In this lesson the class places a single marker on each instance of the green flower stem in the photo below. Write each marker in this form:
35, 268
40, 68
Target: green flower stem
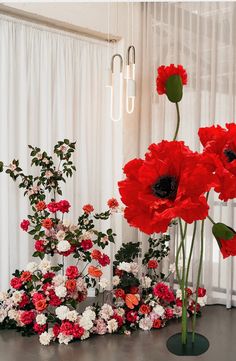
191, 252
178, 122
198, 281
212, 221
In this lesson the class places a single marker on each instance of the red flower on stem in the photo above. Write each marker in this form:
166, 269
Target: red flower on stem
227, 248
88, 208
169, 183
112, 203
165, 72
152, 264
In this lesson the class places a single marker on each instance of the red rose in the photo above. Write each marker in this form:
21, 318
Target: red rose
72, 272
27, 317
64, 206
191, 307
112, 203
88, 208
39, 328
53, 207
71, 285
86, 244
152, 264
16, 283
40, 305
24, 301
220, 145
67, 253
48, 275
132, 316
157, 323
26, 276
144, 309
162, 291
96, 254
104, 260
228, 248
78, 331
201, 292
170, 183
46, 286
39, 245
47, 223
66, 328
56, 329
119, 293
37, 297
40, 206
25, 225
164, 72
54, 301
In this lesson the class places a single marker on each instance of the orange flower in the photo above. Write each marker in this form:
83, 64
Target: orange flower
71, 285
47, 223
25, 276
131, 300
40, 305
144, 309
96, 254
94, 271
40, 206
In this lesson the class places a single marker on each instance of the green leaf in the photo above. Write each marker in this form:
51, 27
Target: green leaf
174, 88
223, 232
1, 167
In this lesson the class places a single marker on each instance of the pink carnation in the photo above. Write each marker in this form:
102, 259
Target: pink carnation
100, 327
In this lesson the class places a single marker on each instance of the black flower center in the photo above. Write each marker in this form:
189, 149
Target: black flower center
165, 187
230, 154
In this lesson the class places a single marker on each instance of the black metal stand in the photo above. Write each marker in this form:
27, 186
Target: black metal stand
175, 346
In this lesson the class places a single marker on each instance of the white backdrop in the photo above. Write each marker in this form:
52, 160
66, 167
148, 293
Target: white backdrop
201, 37
52, 87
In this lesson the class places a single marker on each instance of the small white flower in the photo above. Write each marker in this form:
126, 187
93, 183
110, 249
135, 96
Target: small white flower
146, 282
39, 156
112, 325
145, 323
127, 333
90, 314
3, 296
61, 291
48, 174
72, 316
58, 280
63, 246
13, 314
64, 339
45, 266
67, 223
106, 312
124, 266
202, 301
159, 310
85, 335
45, 338
62, 312
87, 235
134, 268
3, 314
12, 167
179, 294
115, 280
60, 235
45, 161
86, 323
16, 297
31, 267
103, 283
41, 319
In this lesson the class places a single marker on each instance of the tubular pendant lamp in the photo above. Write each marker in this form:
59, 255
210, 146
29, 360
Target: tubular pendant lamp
116, 86
130, 80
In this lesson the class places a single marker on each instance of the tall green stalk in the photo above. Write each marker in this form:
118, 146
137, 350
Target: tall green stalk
178, 121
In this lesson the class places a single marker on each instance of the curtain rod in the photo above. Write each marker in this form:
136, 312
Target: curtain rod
56, 24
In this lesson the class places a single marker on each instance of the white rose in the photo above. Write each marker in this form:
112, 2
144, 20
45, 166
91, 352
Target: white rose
103, 283
58, 280
45, 338
145, 323
63, 246
31, 267
159, 310
146, 282
3, 296
62, 312
72, 316
60, 235
45, 266
61, 291
41, 319
112, 325
115, 280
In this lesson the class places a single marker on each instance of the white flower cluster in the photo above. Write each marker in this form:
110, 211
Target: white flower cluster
130, 267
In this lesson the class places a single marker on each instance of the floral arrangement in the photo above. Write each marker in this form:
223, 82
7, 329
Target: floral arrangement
172, 183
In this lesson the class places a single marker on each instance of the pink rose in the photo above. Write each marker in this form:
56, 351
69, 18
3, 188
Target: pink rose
25, 225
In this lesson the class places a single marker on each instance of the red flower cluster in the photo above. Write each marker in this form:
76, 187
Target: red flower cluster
62, 206
162, 291
88, 208
220, 145
169, 183
164, 72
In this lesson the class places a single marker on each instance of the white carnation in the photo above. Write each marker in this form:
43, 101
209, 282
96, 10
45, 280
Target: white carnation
86, 323
45, 338
134, 268
64, 339
88, 313
45, 265
41, 319
58, 280
62, 312
31, 267
146, 282
3, 296
16, 297
103, 283
115, 280
3, 314
106, 312
124, 266
159, 310
85, 335
63, 246
145, 323
179, 294
61, 291
112, 325
60, 235
72, 316
202, 301
13, 315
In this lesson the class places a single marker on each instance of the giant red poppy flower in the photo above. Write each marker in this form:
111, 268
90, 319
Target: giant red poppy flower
220, 144
169, 183
227, 248
164, 72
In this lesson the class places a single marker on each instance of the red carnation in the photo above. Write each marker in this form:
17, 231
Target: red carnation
220, 144
39, 328
24, 300
132, 316
25, 225
39, 245
56, 329
169, 313
78, 331
86, 244
53, 207
118, 318
48, 275
71, 285
40, 206
160, 290
16, 283
170, 183
119, 293
157, 323
112, 203
63, 206
152, 264
27, 317
164, 72
201, 292
104, 260
88, 208
66, 328
72, 272
144, 309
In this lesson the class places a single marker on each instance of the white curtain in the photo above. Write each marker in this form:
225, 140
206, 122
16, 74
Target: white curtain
201, 37
52, 86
